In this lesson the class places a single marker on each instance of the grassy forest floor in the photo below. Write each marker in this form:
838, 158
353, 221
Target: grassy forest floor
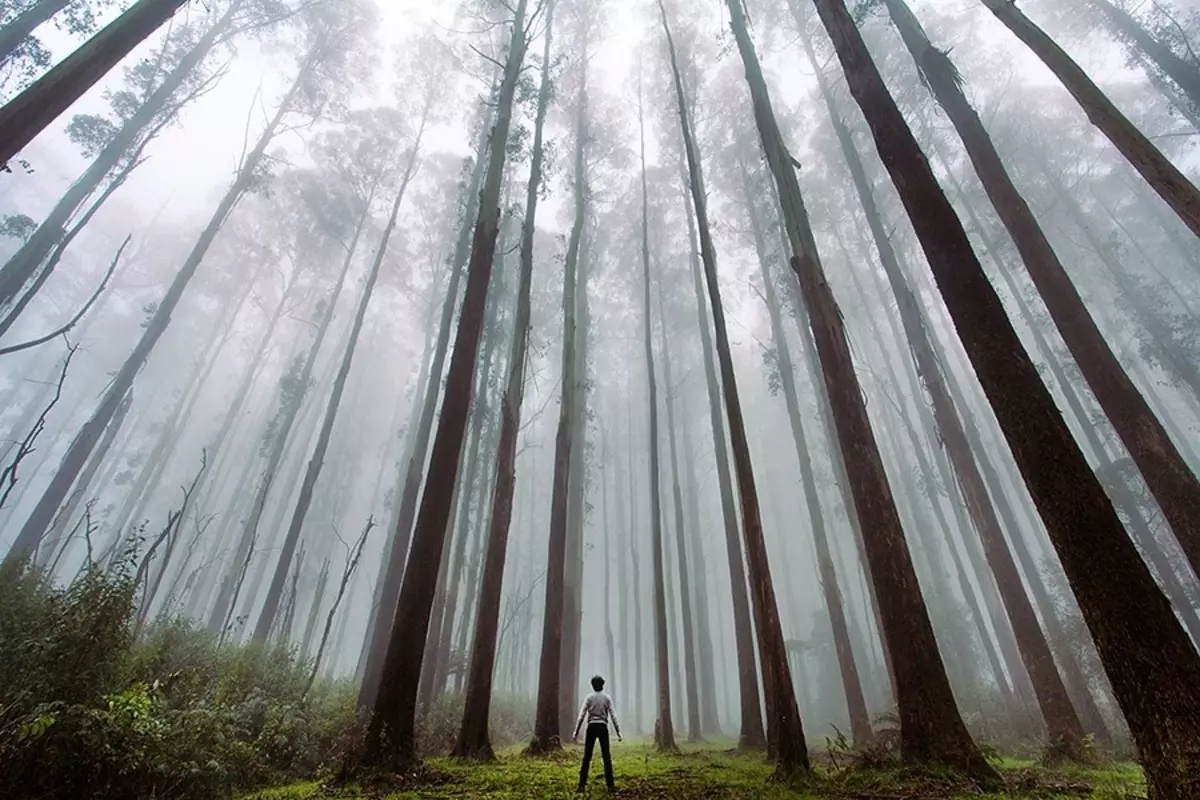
707, 772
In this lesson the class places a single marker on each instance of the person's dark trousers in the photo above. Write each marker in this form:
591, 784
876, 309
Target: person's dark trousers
596, 732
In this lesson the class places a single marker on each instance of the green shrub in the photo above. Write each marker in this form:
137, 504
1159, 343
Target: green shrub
87, 711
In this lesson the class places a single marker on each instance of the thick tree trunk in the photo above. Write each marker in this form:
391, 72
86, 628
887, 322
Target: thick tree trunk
33, 110
856, 704
785, 731
391, 735
89, 435
313, 471
548, 715
395, 555
1165, 178
1154, 669
664, 728
932, 729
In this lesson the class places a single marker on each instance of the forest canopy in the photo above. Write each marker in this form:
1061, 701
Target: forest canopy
823, 376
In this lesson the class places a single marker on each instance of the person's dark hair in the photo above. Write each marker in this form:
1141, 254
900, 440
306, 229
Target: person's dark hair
597, 683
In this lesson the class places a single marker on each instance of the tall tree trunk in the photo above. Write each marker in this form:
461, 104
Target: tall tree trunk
931, 726
473, 740
1154, 669
284, 423
664, 729
750, 729
313, 471
23, 265
785, 731
710, 722
89, 435
547, 718
391, 735
610, 649
1064, 730
23, 24
391, 571
1185, 73
1168, 475
1163, 176
856, 704
33, 110
685, 599
635, 571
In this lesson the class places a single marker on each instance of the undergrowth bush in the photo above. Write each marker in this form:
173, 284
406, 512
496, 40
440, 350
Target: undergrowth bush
510, 722
88, 710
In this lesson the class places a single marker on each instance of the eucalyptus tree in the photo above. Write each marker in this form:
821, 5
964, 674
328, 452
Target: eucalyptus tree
370, 157
785, 731
77, 17
1163, 176
34, 109
157, 89
548, 716
1151, 662
1155, 47
473, 738
329, 38
391, 733
931, 728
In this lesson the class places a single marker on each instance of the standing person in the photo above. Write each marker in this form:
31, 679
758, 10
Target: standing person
598, 709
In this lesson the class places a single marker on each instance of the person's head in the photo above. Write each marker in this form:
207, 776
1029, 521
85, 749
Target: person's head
597, 683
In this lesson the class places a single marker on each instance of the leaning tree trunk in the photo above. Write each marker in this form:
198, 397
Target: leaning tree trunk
931, 727
1185, 73
22, 26
685, 599
1166, 473
1163, 176
664, 729
24, 264
89, 435
33, 110
1154, 669
785, 731
312, 472
391, 571
547, 722
285, 422
856, 704
751, 733
391, 734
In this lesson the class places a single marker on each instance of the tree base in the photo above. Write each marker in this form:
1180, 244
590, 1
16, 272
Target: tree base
1062, 751
537, 747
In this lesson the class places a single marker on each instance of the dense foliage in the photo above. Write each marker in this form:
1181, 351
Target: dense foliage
89, 710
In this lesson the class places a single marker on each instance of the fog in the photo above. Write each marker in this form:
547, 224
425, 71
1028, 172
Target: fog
324, 169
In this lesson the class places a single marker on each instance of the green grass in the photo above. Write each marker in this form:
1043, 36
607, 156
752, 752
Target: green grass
709, 772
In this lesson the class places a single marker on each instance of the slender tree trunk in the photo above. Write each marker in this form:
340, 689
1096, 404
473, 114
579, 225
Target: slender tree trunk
89, 435
785, 731
685, 599
1185, 73
856, 705
610, 651
22, 26
33, 110
313, 471
547, 719
664, 729
751, 733
1154, 669
391, 735
395, 556
1163, 176
23, 265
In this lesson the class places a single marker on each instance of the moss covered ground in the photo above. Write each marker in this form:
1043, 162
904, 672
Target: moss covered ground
708, 772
